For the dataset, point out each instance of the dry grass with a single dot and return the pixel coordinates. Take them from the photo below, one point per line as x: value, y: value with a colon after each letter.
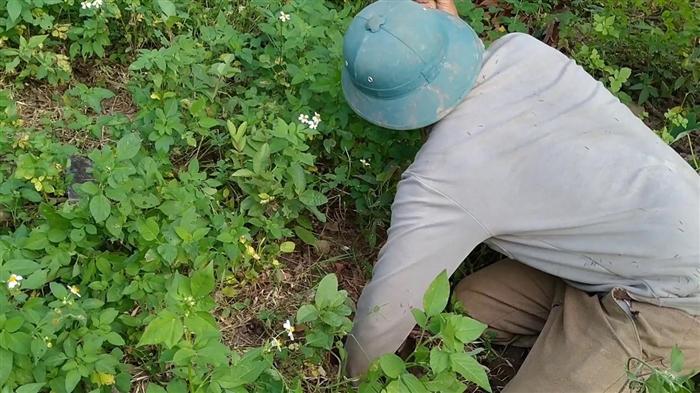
x: 42, y: 105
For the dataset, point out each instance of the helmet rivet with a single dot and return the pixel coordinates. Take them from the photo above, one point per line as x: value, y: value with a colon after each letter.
x: 370, y: 80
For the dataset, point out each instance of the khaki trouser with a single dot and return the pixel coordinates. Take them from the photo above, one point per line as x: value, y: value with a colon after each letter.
x: 580, y: 343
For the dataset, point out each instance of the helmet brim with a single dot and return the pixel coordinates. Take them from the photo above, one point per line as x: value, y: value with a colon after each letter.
x: 430, y: 103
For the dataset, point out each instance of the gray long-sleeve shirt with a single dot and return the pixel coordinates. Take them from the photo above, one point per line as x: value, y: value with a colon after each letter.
x: 545, y: 165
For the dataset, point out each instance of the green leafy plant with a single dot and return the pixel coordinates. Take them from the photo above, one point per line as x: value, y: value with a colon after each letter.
x: 443, y: 362
x: 646, y: 378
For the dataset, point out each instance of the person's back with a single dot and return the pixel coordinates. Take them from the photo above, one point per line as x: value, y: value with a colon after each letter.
x: 599, y: 219
x: 567, y: 180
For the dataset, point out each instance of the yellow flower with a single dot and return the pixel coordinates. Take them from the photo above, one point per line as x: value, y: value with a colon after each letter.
x: 74, y: 290
x: 242, y: 239
x: 49, y: 345
x: 102, y: 379
x: 275, y: 263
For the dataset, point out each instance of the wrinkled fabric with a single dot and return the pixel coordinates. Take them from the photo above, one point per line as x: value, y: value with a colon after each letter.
x: 542, y: 163
x: 580, y: 343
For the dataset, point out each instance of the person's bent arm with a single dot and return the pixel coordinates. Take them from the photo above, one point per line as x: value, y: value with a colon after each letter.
x: 429, y: 233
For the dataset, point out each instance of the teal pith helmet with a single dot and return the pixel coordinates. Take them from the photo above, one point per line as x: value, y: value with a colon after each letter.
x: 406, y: 66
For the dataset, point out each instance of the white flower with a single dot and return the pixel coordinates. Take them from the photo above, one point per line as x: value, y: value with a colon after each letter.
x: 74, y: 290
x: 290, y: 329
x: 90, y: 4
x: 284, y: 17
x: 364, y: 162
x: 313, y: 123
x: 276, y: 343
x: 14, y: 281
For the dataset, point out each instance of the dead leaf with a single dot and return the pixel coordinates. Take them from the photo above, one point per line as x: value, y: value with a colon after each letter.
x: 331, y: 226
x: 323, y: 247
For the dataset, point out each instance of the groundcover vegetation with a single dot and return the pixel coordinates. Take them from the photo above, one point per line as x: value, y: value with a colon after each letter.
x: 187, y: 203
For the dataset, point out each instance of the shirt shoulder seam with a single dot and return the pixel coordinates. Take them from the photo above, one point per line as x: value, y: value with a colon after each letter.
x: 419, y: 180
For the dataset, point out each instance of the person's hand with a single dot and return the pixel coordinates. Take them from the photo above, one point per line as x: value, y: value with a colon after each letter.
x: 442, y: 5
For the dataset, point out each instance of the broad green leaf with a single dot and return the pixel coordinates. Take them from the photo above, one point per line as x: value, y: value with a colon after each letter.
x: 420, y: 317
x: 37, y: 241
x: 89, y: 188
x: 436, y: 297
x: 13, y: 324
x: 439, y: 360
x: 287, y: 247
x: 18, y: 342
x: 148, y: 229
x: 249, y: 373
x: 331, y: 318
x: 208, y: 122
x: 165, y: 329
x: 167, y: 7
x: 467, y: 329
x: 153, y: 388
x: 202, y: 281
x: 392, y: 365
x: 14, y: 9
x: 183, y: 355
x: 20, y: 267
x: 35, y: 280
x: 114, y: 226
x: 38, y: 348
x: 470, y: 369
x: 305, y: 235
x: 261, y: 158
x: 100, y: 207
x: 677, y: 360
x: 413, y: 384
x: 307, y: 313
x: 114, y: 338
x: 319, y: 339
x: 6, y: 359
x: 203, y: 325
x: 625, y: 73
x: 243, y: 173
x: 177, y: 386
x: 30, y: 388
x: 168, y: 252
x: 128, y: 147
x: 312, y: 198
x: 326, y: 291
x: 58, y: 290
x: 298, y: 177
x: 72, y: 379
x: 444, y: 382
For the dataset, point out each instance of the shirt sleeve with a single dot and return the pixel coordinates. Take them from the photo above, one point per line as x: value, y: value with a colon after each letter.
x: 429, y: 233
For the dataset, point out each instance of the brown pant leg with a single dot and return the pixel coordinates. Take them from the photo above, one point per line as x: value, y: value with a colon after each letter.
x: 584, y: 342
x: 512, y: 298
